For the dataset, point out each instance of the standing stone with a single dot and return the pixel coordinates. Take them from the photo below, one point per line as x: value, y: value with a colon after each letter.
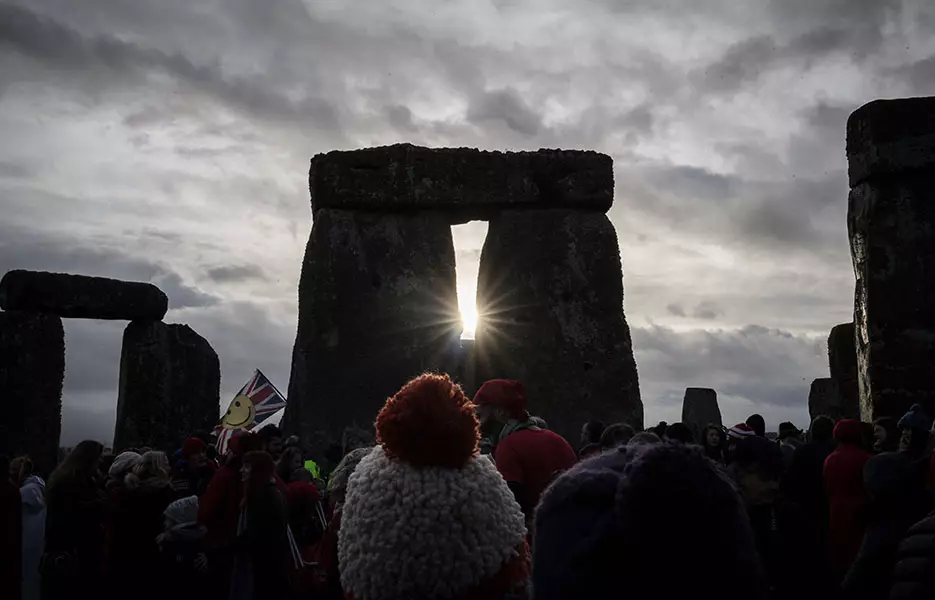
x: 824, y: 399
x: 891, y: 224
x: 81, y: 297
x: 170, y: 381
x: 550, y: 300
x: 700, y: 409
x: 32, y: 369
x: 842, y: 362
x: 378, y: 305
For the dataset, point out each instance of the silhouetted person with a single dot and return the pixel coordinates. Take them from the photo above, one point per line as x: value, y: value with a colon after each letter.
x: 758, y: 424
x: 679, y: 433
x: 618, y: 434
x: 590, y: 434
x: 847, y: 499
x: 885, y: 435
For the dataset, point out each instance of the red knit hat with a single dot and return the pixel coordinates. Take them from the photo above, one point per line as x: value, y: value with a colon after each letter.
x: 193, y: 445
x: 429, y: 422
x: 503, y: 393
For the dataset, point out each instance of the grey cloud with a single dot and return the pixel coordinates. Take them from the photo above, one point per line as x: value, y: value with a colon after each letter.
x: 235, y: 273
x: 507, y: 106
x: 12, y: 170
x: 707, y: 310
x: 109, y: 58
x: 676, y: 310
x: 181, y: 294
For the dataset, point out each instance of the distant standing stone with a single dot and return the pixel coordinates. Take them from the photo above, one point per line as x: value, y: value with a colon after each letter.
x: 700, y: 409
x: 824, y: 399
x: 842, y: 363
x: 81, y: 297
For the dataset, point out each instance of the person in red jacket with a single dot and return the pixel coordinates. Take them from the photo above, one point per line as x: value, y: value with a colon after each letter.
x: 847, y: 499
x: 528, y: 457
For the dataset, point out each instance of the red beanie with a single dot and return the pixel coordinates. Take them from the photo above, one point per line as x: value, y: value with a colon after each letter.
x: 848, y: 431
x: 503, y: 393
x: 301, y: 493
x: 193, y: 445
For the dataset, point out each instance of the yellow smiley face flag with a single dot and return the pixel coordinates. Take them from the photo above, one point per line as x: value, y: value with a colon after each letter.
x: 256, y: 401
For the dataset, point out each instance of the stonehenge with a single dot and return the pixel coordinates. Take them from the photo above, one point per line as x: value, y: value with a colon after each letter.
x: 32, y: 370
x: 81, y: 297
x: 891, y: 155
x: 842, y: 364
x: 700, y: 409
x: 378, y: 297
x: 159, y: 366
x: 169, y: 375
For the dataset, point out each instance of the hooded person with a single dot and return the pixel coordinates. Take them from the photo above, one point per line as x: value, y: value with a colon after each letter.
x: 844, y: 483
x: 32, y: 495
x: 527, y: 456
x: 183, y: 565
x: 425, y: 515
x: 618, y: 523
x: 885, y: 435
x: 915, y: 427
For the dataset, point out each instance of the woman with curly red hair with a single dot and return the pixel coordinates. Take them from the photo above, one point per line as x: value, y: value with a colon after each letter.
x: 425, y: 515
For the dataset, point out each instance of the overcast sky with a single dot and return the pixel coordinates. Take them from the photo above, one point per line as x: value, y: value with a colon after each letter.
x: 169, y: 142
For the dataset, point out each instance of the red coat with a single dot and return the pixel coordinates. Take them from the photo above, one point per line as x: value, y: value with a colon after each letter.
x: 219, y: 507
x: 844, y: 483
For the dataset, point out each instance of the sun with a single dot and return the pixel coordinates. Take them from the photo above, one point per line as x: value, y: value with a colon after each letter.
x: 468, y: 320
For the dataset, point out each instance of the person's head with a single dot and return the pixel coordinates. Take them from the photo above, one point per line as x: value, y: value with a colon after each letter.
x: 591, y: 433
x: 758, y: 424
x: 497, y: 402
x: 616, y: 519
x: 258, y: 470
x: 271, y: 437
x: 123, y: 464
x: 618, y: 434
x: 290, y: 461
x: 659, y: 429
x: 886, y: 435
x: 736, y: 434
x: 848, y: 432
x: 712, y: 436
x: 195, y: 452
x: 303, y: 512
x: 302, y: 475
x: 915, y: 427
x: 20, y: 468
x: 152, y: 469
x: 821, y: 429
x: 79, y: 466
x: 679, y: 433
x: 181, y: 512
x: 756, y: 466
x: 342, y: 473
x: 644, y: 438
x: 788, y: 432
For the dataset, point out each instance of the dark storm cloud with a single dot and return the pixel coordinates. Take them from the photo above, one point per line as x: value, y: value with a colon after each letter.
x: 113, y: 61
x: 235, y: 273
x: 506, y: 106
x: 12, y: 170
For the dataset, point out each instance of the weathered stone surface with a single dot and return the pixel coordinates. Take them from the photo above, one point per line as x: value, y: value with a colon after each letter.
x: 823, y: 399
x: 700, y: 409
x: 891, y: 222
x: 550, y: 300
x: 170, y: 381
x: 32, y: 369
x: 886, y: 137
x: 842, y: 363
x: 460, y: 180
x: 377, y: 305
x: 81, y: 297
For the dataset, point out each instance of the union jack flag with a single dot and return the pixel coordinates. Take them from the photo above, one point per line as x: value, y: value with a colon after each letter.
x: 257, y: 401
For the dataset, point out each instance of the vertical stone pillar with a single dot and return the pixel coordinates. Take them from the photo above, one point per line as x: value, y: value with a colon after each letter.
x: 891, y: 224
x: 824, y: 399
x: 378, y: 305
x: 170, y: 381
x: 550, y: 305
x: 842, y: 363
x: 32, y: 370
x: 700, y: 409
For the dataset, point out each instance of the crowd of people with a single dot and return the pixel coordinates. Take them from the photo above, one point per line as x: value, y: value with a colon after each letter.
x: 473, y: 499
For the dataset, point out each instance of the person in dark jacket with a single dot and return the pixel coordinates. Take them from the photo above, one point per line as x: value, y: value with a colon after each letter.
x: 885, y: 435
x: 614, y: 524
x: 915, y: 428
x: 914, y: 575
x: 590, y: 435
x: 137, y: 520
x: 847, y: 498
x: 289, y: 463
x: 758, y: 424
x: 679, y: 433
x: 11, y: 533
x: 618, y: 434
x: 192, y: 474
x: 896, y: 501
x: 261, y: 566
x: 183, y: 561
x: 74, y: 529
